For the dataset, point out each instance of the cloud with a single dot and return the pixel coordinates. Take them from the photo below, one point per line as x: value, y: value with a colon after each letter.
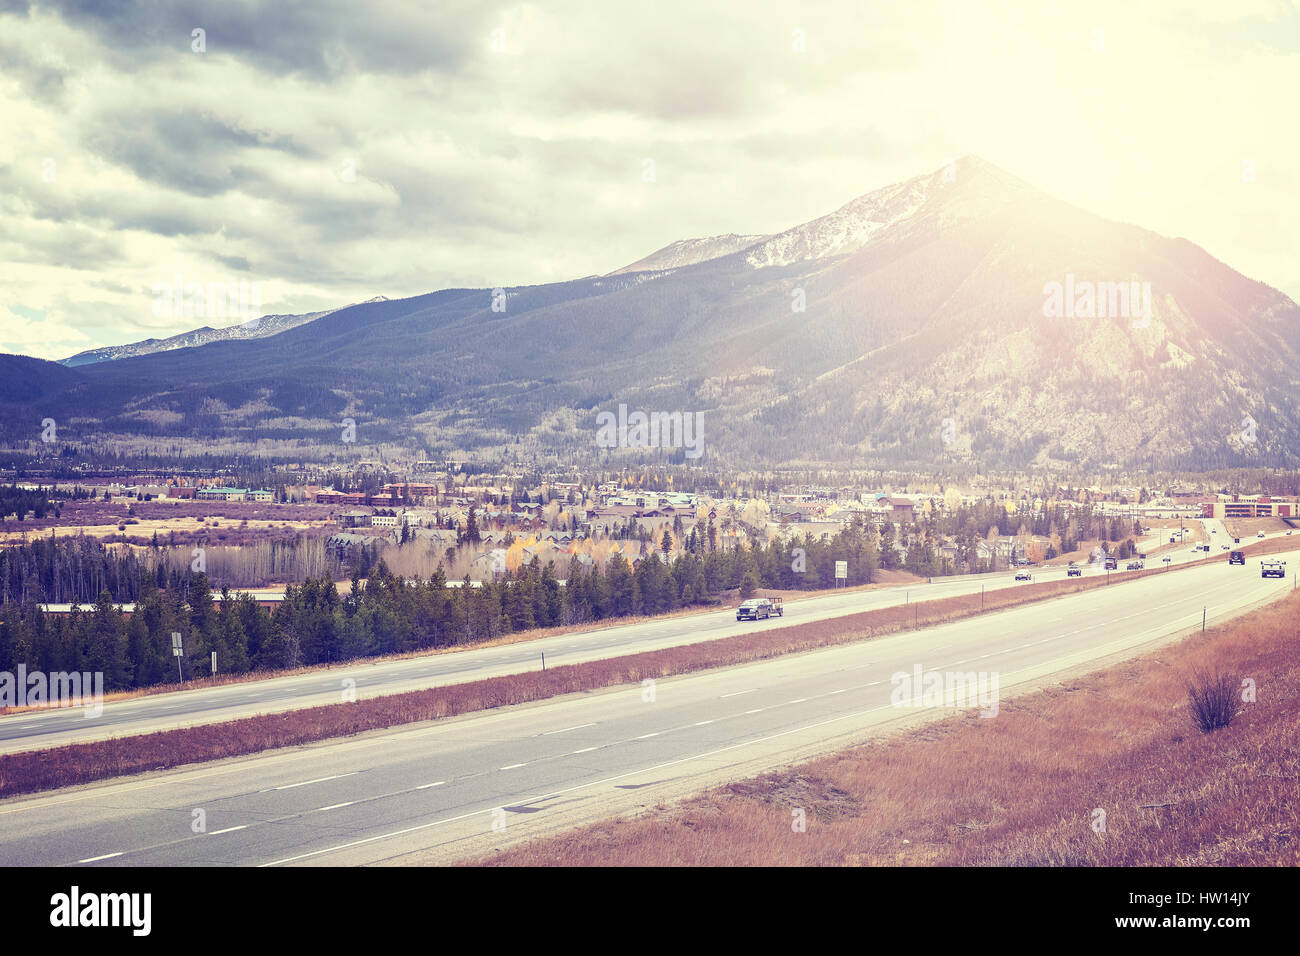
x: 331, y: 153
x: 319, y: 41
x: 47, y: 336
x: 184, y: 150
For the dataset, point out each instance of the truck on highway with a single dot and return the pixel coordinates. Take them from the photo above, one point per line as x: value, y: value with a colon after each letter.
x: 1272, y: 569
x: 1074, y: 571
x: 760, y: 609
x: 1237, y: 557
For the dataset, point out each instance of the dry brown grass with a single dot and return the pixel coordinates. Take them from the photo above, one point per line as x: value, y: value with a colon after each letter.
x: 1248, y: 527
x: 1021, y: 789
x: 1255, y: 548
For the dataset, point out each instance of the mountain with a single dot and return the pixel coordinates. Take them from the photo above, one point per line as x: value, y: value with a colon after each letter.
x: 847, y: 229
x: 960, y: 317
x: 25, y: 379
x: 258, y: 328
x: 688, y: 252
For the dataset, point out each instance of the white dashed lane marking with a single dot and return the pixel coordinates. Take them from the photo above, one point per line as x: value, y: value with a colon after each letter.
x: 548, y: 733
x: 304, y: 783
x: 96, y: 859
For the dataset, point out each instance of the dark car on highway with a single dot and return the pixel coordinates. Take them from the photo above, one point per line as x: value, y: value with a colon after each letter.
x: 759, y: 609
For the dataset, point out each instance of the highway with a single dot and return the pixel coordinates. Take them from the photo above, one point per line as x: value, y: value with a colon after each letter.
x: 438, y: 791
x: 144, y: 714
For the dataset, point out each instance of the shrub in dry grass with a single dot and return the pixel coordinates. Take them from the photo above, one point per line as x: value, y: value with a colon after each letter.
x: 1212, y: 699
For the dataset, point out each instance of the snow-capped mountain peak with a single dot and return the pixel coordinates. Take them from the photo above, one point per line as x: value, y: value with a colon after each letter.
x: 688, y: 252
x: 256, y: 328
x: 859, y: 222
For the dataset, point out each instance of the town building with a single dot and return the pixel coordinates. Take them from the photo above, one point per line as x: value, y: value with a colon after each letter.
x: 234, y: 494
x: 1250, y: 506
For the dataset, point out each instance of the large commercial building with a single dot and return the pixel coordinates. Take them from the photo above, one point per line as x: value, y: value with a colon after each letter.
x: 1251, y: 506
x: 234, y: 494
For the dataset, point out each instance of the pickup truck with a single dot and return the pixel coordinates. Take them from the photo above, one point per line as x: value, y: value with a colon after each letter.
x: 1237, y: 557
x: 760, y: 609
x: 1272, y: 569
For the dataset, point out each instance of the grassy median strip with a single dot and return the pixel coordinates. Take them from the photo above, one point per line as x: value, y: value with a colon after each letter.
x: 34, y: 770
x: 1106, y: 770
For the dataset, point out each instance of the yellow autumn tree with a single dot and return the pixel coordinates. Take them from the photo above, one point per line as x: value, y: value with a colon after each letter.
x: 515, y: 554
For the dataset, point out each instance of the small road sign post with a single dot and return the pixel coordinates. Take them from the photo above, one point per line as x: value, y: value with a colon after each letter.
x: 178, y: 651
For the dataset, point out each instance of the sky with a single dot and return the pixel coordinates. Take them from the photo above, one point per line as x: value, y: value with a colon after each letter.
x: 324, y: 153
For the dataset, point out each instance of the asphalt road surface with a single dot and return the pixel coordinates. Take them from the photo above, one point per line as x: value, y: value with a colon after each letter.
x: 438, y: 791
x: 39, y: 729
